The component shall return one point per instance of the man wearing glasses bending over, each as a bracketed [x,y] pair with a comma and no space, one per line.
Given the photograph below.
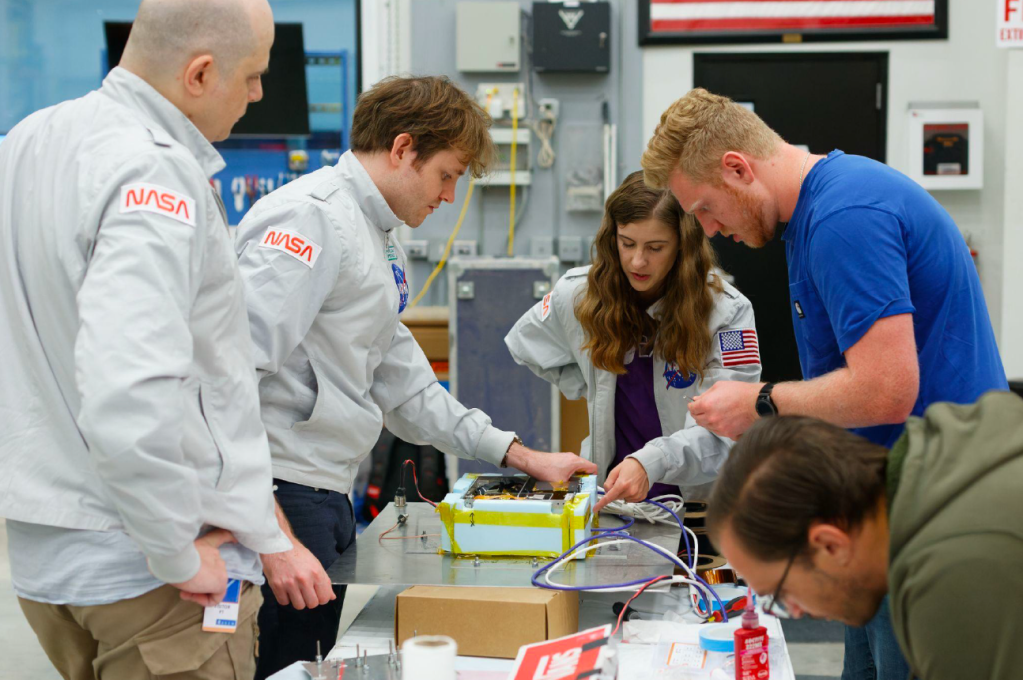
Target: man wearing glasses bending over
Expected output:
[830,523]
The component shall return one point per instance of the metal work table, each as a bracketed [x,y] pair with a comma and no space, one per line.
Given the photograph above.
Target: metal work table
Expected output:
[372,632]
[419,561]
[392,566]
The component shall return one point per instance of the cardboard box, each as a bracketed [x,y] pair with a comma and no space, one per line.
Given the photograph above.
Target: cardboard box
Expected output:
[491,622]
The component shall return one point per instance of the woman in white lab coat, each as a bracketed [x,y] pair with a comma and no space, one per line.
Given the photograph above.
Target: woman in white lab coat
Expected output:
[646,328]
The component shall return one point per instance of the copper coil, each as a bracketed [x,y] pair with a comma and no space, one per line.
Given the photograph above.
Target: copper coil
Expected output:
[715,577]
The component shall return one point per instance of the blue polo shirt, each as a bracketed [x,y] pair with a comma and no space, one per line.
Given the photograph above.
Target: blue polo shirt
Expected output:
[866,242]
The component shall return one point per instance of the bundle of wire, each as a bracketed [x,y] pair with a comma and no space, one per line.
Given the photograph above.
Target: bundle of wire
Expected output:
[618,536]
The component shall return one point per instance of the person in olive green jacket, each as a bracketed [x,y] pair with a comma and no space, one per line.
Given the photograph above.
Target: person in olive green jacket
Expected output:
[827,524]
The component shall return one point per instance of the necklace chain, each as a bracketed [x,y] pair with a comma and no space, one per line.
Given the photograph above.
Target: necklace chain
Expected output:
[803,169]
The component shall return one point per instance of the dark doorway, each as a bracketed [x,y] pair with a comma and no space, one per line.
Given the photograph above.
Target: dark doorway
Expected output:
[824,101]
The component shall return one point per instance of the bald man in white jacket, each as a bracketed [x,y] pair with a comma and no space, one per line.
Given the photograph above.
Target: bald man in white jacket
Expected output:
[131,449]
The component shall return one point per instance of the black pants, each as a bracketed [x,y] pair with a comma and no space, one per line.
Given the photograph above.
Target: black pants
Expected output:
[324,522]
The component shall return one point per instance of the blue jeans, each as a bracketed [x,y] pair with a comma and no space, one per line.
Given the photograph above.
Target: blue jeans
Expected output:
[871,652]
[325,524]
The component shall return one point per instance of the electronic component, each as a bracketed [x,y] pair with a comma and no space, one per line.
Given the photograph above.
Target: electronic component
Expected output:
[488,36]
[362,665]
[516,515]
[572,36]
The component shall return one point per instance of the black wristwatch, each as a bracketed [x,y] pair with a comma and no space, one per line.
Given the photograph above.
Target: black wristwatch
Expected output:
[765,405]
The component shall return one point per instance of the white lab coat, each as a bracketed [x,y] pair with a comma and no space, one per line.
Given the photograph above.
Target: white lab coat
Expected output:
[127,398]
[550,344]
[334,361]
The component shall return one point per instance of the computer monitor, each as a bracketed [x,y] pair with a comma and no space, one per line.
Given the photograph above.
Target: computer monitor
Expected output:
[284,110]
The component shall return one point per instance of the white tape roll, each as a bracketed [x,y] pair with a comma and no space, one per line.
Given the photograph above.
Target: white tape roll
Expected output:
[428,657]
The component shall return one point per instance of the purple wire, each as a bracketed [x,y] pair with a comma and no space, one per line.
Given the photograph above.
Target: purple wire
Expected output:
[615,534]
[628,524]
[685,534]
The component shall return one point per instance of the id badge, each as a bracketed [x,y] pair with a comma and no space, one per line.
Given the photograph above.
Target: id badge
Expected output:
[223,617]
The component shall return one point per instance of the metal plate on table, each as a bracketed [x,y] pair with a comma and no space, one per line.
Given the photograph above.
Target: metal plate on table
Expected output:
[419,561]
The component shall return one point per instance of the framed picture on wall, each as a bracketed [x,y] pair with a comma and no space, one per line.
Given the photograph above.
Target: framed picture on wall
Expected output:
[679,22]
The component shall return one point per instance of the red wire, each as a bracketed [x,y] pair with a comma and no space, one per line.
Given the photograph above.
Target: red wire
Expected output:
[416,481]
[634,596]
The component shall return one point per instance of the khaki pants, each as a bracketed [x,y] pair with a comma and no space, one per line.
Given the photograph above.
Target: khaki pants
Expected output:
[156,635]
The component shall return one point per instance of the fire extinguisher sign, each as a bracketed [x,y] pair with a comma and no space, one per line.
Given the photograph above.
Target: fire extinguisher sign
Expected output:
[1010,23]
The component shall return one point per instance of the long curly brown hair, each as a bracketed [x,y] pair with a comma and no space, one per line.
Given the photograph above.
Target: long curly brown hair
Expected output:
[613,317]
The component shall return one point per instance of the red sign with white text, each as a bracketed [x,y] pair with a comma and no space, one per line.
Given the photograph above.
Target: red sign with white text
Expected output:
[566,658]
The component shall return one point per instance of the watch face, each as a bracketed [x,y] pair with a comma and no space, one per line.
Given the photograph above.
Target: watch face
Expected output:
[764,408]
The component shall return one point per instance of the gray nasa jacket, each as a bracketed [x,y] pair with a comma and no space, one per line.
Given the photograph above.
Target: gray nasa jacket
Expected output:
[127,400]
[549,339]
[325,281]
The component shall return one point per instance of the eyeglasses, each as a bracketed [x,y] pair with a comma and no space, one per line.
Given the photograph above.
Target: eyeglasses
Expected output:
[775,606]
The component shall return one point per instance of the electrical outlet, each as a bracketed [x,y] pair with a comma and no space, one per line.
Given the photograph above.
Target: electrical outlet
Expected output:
[437,250]
[465,248]
[541,246]
[548,108]
[570,249]
[416,249]
[498,99]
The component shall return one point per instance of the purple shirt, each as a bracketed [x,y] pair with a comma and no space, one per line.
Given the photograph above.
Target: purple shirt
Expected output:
[636,419]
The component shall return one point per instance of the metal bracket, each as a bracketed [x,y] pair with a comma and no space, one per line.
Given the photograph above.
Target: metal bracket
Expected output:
[540,289]
[466,290]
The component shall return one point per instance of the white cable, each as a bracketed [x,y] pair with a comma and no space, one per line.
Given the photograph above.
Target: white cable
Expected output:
[650,513]
[696,541]
[628,589]
[544,129]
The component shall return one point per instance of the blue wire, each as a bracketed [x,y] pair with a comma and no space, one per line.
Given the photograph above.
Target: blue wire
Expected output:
[628,524]
[685,534]
[611,534]
[616,533]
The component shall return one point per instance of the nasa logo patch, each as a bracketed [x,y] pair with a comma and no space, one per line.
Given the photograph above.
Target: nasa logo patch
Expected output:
[399,280]
[675,379]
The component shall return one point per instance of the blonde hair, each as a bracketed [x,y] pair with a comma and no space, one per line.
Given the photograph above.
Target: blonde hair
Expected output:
[696,131]
[613,319]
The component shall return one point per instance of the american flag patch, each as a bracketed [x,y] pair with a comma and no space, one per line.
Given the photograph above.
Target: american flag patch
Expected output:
[739,347]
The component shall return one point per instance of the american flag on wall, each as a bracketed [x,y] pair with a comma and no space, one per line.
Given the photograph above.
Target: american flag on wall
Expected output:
[739,347]
[717,16]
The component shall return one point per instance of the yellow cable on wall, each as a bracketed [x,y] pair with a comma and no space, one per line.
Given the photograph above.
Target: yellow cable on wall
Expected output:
[447,248]
[514,146]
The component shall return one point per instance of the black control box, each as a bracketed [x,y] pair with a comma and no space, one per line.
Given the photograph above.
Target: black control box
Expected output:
[572,37]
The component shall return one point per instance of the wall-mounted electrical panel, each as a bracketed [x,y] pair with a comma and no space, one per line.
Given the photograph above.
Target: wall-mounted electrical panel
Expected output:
[500,100]
[501,174]
[488,36]
[572,36]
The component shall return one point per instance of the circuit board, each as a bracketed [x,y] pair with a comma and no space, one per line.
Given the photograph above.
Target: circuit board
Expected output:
[519,487]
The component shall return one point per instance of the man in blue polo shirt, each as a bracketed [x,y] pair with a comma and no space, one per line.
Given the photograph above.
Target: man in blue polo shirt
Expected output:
[886,302]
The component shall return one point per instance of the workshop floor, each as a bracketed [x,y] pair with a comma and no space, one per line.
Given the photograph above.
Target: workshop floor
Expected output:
[815,646]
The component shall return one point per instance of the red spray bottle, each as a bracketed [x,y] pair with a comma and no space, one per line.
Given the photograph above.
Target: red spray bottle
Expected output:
[751,659]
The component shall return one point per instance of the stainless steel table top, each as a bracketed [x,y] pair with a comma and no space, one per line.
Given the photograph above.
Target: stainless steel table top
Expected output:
[418,561]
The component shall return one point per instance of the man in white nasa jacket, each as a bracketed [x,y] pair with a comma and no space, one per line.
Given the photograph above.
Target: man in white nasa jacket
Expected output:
[131,449]
[325,281]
